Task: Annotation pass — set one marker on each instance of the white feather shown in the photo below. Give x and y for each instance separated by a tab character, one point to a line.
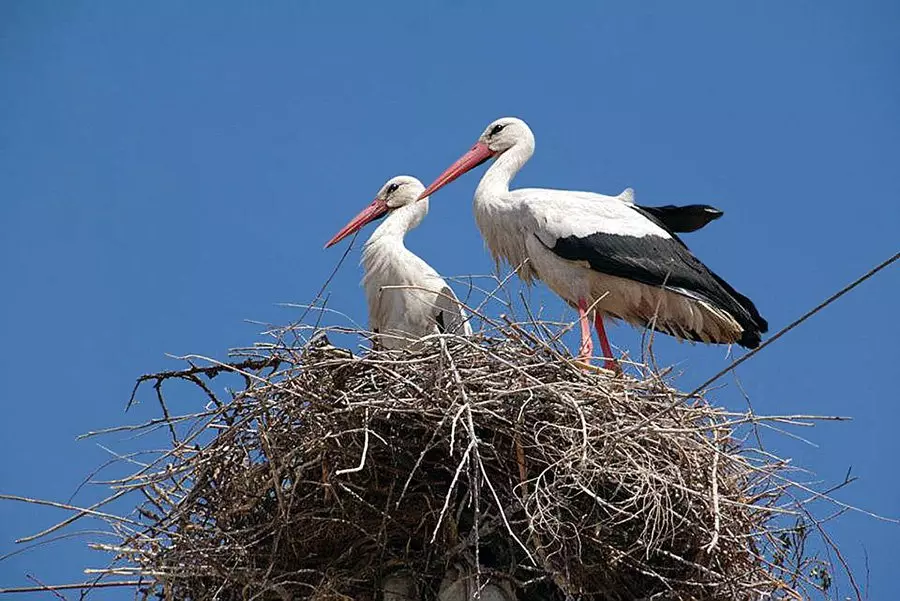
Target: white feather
564	213
627	195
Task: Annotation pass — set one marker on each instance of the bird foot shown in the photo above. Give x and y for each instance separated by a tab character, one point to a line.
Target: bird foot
613	366
585	364
610	367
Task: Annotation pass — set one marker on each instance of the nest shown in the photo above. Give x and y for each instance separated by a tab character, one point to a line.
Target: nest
492	458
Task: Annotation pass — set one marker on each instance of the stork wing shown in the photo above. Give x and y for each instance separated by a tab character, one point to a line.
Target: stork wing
658	261
449	313
682	219
619	239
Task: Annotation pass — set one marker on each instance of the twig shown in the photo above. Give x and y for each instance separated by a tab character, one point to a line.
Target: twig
55	592
365	451
81	512
210	371
714	477
78	585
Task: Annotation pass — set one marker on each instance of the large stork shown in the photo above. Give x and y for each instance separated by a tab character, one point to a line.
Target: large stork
407	298
598	251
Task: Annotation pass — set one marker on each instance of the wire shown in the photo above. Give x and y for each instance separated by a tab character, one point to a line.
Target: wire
797	322
318	297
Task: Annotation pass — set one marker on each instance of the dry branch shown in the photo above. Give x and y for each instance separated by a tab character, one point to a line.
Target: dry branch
327	472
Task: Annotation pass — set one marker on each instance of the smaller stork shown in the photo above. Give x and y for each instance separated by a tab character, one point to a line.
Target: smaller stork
407	298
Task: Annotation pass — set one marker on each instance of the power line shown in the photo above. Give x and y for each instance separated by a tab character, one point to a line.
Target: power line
798	321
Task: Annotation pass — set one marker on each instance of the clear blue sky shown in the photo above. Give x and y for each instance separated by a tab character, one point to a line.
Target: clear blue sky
168	171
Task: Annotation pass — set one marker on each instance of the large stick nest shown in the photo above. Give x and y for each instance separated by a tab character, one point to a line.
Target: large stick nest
496	456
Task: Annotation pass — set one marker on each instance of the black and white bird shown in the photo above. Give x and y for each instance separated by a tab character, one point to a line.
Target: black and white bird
601	251
407	298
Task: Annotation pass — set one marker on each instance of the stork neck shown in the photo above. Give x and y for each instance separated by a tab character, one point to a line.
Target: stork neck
505	167
400	221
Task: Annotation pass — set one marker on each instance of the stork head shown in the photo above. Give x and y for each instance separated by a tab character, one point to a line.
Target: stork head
497	138
400	191
397	192
504	133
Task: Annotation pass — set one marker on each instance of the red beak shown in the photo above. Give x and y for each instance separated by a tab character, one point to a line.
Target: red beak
372	212
476	156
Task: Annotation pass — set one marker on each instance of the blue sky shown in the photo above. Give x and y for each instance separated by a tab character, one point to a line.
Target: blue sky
171	170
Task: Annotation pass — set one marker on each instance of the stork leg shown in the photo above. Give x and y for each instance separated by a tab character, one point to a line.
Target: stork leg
586	350
610	362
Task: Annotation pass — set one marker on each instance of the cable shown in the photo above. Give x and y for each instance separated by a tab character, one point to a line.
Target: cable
797	322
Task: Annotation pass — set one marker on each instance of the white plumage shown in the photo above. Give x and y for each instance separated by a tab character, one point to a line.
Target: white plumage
406	297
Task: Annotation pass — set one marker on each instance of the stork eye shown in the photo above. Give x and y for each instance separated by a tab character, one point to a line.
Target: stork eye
497	129
392	188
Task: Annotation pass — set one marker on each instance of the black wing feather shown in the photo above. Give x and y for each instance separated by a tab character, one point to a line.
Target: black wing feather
659	261
682	219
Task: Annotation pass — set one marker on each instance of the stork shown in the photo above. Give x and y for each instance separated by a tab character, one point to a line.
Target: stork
601	254
407	299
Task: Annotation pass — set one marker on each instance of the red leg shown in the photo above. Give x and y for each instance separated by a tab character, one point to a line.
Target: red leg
586	350
610	360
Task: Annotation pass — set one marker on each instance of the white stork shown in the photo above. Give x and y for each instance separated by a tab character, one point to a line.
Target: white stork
601	251
407	298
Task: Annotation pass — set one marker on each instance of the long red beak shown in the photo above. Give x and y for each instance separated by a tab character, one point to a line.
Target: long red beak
370	213
476	156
